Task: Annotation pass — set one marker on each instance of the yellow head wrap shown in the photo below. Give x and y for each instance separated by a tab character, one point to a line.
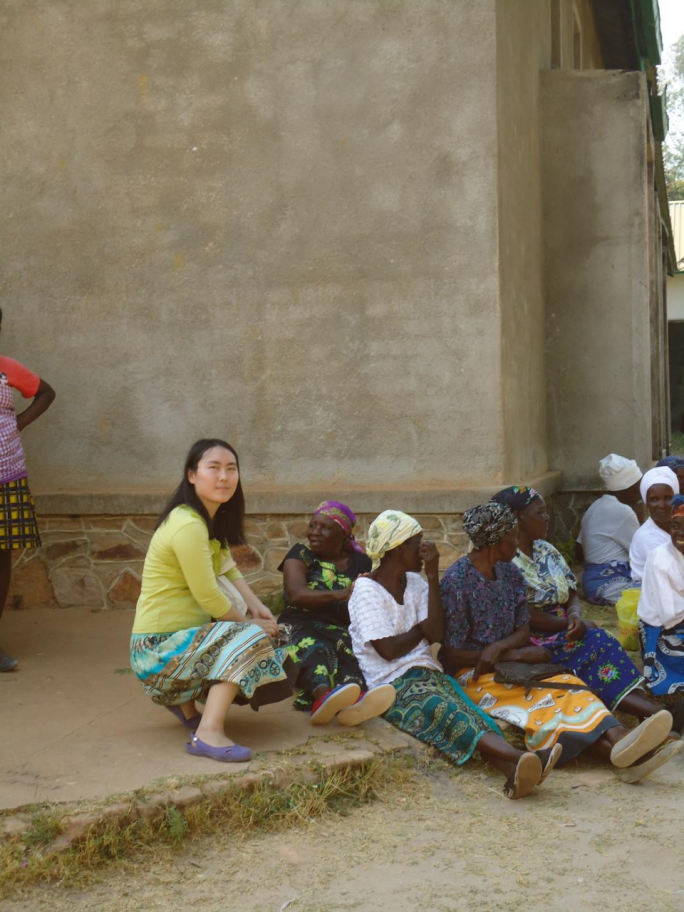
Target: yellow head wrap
389	530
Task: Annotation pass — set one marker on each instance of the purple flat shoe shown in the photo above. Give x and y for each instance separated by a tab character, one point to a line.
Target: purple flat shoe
234	754
192	723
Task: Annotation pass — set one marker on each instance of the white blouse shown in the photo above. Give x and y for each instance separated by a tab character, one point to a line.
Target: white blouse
661	603
375	615
646	539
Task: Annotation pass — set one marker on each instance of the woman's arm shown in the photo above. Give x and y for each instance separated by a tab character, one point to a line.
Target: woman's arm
546	623
42	401
256	607
485	660
394	647
298	594
433	625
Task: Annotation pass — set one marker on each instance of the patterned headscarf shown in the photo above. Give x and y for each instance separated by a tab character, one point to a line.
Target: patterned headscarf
678	505
487	524
389	530
671	462
516	497
345	519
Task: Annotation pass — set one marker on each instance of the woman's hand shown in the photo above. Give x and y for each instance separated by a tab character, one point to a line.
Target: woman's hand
261	611
268	625
489	656
576	627
430	557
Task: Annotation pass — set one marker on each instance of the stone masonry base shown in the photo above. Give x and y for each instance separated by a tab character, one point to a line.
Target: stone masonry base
97	561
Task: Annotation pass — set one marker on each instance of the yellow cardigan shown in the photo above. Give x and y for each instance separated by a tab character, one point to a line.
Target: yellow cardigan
179	588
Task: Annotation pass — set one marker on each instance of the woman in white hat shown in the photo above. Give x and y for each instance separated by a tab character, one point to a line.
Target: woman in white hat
608	527
657	487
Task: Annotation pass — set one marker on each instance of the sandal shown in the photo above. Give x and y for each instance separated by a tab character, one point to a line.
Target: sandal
552	759
373	703
636	773
642	740
192	723
327	707
528	773
236	753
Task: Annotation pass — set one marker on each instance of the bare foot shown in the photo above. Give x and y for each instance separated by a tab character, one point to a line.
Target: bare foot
213	737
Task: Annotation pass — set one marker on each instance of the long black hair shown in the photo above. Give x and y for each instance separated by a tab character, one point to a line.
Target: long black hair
227	524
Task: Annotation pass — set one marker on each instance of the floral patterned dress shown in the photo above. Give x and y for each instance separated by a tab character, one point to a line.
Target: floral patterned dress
321	644
598	658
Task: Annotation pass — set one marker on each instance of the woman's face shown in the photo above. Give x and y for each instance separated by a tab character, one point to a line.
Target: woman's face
659	503
216	477
534	520
411	558
508	546
326	537
677	533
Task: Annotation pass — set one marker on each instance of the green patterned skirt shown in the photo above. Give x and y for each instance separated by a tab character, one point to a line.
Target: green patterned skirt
432	707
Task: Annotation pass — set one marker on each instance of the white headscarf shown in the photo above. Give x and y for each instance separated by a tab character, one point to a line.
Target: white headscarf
659	475
618	473
389	530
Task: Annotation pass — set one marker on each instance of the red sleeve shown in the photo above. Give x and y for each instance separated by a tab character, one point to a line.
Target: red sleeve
20	377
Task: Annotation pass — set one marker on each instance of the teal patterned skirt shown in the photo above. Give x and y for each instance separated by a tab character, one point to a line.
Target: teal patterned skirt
178	667
432	707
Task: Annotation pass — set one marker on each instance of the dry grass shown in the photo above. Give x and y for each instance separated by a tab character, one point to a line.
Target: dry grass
31	860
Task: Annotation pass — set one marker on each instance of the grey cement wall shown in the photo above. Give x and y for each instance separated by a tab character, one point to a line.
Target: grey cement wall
522	29
269	220
594	167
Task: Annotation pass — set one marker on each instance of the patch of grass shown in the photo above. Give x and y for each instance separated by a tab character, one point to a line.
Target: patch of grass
567	549
275	601
677	445
28	861
45	827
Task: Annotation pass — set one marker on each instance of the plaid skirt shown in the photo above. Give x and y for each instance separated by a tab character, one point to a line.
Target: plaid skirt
18	525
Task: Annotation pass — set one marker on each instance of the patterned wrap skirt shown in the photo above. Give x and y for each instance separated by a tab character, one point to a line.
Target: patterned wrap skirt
598	659
431	707
18	525
603	584
182	666
575	719
663	652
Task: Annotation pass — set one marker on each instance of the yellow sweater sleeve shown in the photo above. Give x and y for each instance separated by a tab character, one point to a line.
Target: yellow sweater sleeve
191	547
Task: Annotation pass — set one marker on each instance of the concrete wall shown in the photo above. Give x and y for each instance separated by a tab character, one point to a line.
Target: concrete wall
523	44
595	176
269	220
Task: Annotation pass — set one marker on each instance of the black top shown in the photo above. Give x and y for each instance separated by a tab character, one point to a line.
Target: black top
325	577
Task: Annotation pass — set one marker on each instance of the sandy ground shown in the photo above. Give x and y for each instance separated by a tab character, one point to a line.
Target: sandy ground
450	842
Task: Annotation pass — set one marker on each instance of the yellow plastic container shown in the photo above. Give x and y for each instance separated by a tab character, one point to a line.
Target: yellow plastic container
628	633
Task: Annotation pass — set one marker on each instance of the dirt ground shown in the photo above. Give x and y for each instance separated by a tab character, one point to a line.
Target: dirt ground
447	842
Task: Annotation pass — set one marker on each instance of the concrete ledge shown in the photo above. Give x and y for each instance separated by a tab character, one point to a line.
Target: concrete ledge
298	501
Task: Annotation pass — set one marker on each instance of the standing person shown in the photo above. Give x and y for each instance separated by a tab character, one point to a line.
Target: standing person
658	487
556	620
487	623
395	617
189	641
18	526
608	527
318	581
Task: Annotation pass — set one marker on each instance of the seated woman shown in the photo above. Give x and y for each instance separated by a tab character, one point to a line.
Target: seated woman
487	622
658	487
318	581
189	642
661	613
395	616
676	463
556	619
608	527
